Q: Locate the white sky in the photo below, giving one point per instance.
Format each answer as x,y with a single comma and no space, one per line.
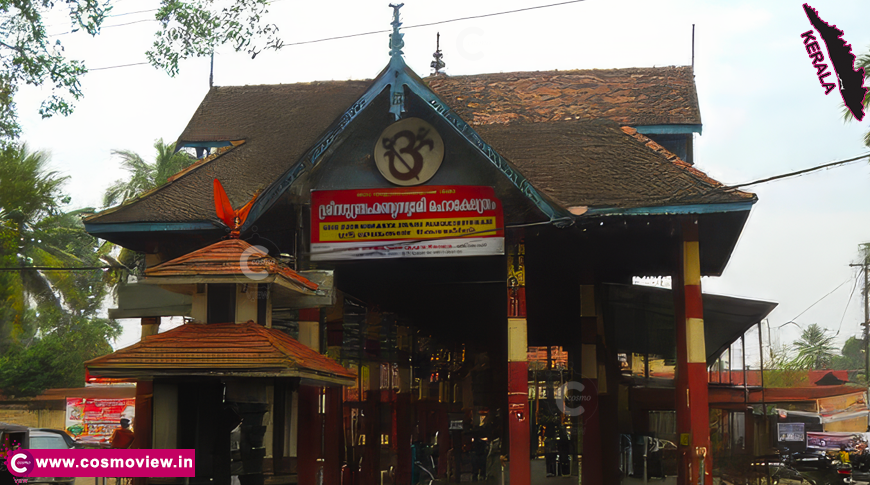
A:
763,109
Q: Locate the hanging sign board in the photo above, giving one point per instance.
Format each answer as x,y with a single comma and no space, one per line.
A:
786,432
406,222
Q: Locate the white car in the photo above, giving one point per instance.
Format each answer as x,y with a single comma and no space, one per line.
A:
45,440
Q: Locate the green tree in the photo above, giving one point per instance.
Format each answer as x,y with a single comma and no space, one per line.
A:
815,348
145,176
187,29
46,312
851,356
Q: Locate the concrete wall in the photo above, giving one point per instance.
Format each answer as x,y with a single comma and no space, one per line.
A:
33,418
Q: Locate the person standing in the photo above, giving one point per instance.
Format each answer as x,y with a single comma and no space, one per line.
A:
122,438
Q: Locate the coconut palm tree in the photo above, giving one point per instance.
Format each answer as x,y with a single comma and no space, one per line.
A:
145,176
815,348
35,232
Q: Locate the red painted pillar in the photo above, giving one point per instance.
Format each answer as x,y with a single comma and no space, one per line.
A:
518,367
592,466
308,435
309,423
692,403
333,437
142,419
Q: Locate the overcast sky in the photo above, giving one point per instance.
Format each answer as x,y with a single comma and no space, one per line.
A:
763,109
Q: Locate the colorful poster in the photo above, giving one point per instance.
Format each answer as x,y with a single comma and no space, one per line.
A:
91,419
407,222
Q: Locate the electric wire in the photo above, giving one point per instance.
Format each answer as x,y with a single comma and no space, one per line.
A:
428,24
799,172
848,302
816,302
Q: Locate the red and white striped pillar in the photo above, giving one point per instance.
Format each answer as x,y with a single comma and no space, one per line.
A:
518,367
693,408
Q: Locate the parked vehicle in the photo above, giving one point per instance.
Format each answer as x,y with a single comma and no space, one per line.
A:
804,468
41,439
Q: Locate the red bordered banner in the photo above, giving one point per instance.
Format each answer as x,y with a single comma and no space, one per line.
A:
407,222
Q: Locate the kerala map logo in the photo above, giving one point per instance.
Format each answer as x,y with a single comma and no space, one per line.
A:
841,58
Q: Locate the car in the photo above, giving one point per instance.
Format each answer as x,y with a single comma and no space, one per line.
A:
69,440
41,439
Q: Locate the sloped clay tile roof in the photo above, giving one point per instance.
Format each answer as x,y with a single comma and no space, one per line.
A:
225,258
600,164
280,122
636,96
218,348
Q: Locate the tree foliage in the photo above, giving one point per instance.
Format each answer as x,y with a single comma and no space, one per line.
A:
815,348
851,356
145,176
187,29
48,322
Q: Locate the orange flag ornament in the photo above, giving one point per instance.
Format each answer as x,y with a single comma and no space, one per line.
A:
225,212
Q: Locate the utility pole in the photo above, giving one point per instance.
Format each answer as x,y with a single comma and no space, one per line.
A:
866,323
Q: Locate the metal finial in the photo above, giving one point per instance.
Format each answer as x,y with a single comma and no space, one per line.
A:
437,64
396,42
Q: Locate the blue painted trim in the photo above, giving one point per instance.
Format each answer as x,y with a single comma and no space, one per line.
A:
206,144
396,76
673,209
96,229
668,129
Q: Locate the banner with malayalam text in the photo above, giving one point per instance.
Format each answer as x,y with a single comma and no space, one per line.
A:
406,222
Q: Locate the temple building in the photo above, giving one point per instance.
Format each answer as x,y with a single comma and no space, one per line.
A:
398,277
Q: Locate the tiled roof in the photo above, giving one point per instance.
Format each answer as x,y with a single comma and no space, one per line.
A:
218,348
636,96
600,164
226,258
280,122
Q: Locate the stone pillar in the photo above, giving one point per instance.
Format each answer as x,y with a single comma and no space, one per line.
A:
693,408
593,469
518,367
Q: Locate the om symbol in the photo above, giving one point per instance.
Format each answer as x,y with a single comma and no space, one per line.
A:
409,152
412,148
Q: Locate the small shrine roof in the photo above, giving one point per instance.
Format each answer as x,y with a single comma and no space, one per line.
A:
220,349
232,259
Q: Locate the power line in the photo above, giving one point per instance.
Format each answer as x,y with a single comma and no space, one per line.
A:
847,304
116,67
106,27
361,33
817,301
51,268
440,22
799,172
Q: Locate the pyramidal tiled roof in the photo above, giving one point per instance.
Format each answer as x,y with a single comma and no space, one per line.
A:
219,348
230,257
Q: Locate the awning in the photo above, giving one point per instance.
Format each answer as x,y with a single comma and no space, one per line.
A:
220,350
644,317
